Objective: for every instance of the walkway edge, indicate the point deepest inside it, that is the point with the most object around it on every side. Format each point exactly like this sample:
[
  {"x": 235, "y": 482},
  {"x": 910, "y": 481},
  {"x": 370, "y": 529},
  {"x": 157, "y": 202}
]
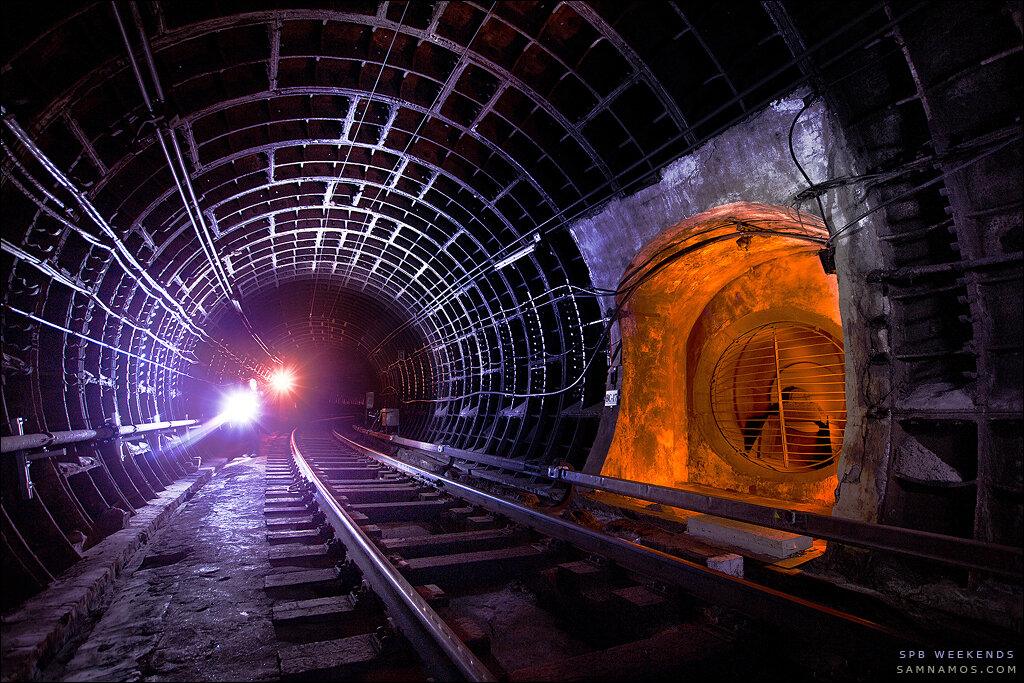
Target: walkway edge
[{"x": 37, "y": 630}]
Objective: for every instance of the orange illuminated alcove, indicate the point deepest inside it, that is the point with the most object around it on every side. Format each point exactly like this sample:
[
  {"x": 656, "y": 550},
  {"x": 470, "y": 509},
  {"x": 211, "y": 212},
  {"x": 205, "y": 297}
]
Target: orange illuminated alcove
[{"x": 733, "y": 371}]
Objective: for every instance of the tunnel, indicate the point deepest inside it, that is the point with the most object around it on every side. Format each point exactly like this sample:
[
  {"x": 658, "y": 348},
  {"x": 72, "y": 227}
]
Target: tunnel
[{"x": 764, "y": 252}]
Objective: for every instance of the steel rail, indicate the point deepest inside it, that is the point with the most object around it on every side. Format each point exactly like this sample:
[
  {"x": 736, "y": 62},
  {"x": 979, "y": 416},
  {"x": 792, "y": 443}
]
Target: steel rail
[
  {"x": 29, "y": 442},
  {"x": 481, "y": 458},
  {"x": 841, "y": 630},
  {"x": 964, "y": 553},
  {"x": 444, "y": 654},
  {"x": 957, "y": 552}
]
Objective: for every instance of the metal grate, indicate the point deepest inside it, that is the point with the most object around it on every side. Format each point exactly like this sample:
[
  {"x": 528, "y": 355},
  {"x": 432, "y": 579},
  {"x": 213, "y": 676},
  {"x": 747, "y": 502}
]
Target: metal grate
[{"x": 778, "y": 397}]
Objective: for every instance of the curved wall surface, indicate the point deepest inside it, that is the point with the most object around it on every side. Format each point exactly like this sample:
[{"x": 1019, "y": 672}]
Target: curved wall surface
[{"x": 440, "y": 199}]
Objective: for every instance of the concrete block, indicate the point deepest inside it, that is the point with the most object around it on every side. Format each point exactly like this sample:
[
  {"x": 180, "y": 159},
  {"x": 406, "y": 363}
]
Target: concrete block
[
  {"x": 299, "y": 523},
  {"x": 279, "y": 512},
  {"x": 302, "y": 585},
  {"x": 405, "y": 511},
  {"x": 729, "y": 563},
  {"x": 284, "y": 502},
  {"x": 478, "y": 522},
  {"x": 756, "y": 539},
  {"x": 485, "y": 566},
  {"x": 307, "y": 536},
  {"x": 298, "y": 555},
  {"x": 309, "y": 620}
]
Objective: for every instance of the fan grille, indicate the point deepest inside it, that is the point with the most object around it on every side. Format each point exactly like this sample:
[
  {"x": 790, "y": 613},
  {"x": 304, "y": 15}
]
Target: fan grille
[{"x": 778, "y": 397}]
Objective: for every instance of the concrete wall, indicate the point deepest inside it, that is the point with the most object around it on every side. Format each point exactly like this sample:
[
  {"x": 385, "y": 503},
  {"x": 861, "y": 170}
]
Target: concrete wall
[{"x": 751, "y": 162}]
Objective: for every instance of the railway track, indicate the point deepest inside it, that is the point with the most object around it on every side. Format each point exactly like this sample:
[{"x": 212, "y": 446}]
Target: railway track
[{"x": 392, "y": 572}]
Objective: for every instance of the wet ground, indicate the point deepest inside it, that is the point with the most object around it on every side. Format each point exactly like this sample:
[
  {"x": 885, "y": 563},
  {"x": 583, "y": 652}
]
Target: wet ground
[{"x": 191, "y": 606}]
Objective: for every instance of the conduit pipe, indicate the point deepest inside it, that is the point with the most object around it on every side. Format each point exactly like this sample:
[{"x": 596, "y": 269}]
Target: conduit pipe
[
  {"x": 29, "y": 442},
  {"x": 179, "y": 171},
  {"x": 119, "y": 251}
]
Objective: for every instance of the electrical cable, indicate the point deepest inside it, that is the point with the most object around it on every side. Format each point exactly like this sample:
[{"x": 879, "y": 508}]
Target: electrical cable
[
  {"x": 116, "y": 349},
  {"x": 917, "y": 188},
  {"x": 628, "y": 292},
  {"x": 625, "y": 295},
  {"x": 792, "y": 153}
]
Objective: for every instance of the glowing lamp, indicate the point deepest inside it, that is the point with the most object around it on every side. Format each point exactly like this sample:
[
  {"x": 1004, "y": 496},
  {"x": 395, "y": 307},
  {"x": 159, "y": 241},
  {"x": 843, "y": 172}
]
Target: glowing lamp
[
  {"x": 282, "y": 381},
  {"x": 240, "y": 407}
]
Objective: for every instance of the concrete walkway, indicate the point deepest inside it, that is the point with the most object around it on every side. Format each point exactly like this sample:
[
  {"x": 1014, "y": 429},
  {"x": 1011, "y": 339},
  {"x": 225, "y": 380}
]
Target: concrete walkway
[{"x": 193, "y": 607}]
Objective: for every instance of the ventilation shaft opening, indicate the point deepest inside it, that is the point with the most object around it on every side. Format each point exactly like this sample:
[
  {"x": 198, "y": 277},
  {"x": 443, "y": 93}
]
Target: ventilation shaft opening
[
  {"x": 733, "y": 366},
  {"x": 778, "y": 397}
]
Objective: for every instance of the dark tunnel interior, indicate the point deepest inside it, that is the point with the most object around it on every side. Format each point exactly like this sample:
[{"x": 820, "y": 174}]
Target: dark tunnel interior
[{"x": 477, "y": 211}]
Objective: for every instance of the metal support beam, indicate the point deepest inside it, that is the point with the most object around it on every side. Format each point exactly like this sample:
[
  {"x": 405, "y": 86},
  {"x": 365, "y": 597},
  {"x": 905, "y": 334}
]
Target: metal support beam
[{"x": 966, "y": 553}]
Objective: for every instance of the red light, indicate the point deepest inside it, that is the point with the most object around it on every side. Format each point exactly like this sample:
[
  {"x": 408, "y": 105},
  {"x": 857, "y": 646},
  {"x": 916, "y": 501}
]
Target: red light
[{"x": 282, "y": 381}]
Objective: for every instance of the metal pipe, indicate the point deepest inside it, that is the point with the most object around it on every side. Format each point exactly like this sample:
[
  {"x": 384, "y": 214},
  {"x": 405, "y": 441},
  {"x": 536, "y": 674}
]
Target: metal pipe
[
  {"x": 147, "y": 52},
  {"x": 120, "y": 252},
  {"x": 191, "y": 209},
  {"x": 155, "y": 426},
  {"x": 950, "y": 550},
  {"x": 444, "y": 654},
  {"x": 180, "y": 172},
  {"x": 847, "y": 631},
  {"x": 28, "y": 442}
]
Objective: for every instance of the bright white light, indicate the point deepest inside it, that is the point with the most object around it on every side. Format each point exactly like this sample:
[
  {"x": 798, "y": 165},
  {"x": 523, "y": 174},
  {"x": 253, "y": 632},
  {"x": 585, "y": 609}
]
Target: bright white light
[
  {"x": 526, "y": 251},
  {"x": 282, "y": 381},
  {"x": 522, "y": 253},
  {"x": 240, "y": 407}
]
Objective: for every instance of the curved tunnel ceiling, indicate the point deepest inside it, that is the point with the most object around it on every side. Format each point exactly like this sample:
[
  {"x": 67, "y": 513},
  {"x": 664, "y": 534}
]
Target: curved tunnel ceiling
[
  {"x": 390, "y": 181},
  {"x": 367, "y": 175}
]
